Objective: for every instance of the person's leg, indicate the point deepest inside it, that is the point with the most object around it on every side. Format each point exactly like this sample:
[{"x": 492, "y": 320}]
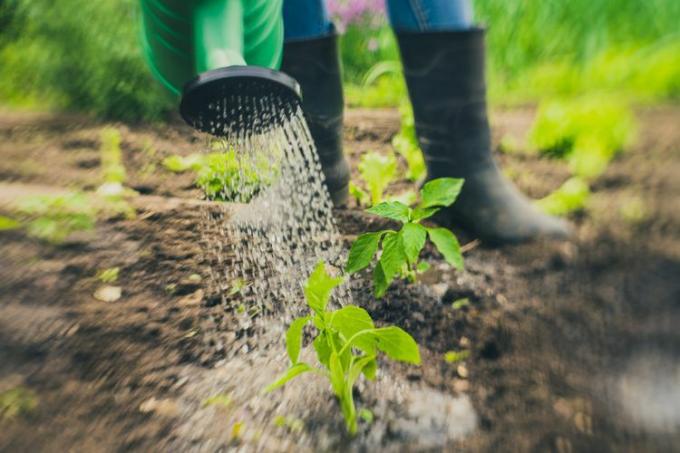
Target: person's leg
[
  {"x": 421, "y": 15},
  {"x": 443, "y": 56},
  {"x": 310, "y": 56},
  {"x": 305, "y": 19}
]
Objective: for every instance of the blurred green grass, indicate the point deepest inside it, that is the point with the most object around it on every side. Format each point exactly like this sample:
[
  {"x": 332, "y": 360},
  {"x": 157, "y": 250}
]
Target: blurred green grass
[{"x": 83, "y": 55}]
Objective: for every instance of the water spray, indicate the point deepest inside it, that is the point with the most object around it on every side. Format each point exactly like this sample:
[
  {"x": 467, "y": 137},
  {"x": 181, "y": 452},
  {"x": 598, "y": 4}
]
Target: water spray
[{"x": 222, "y": 57}]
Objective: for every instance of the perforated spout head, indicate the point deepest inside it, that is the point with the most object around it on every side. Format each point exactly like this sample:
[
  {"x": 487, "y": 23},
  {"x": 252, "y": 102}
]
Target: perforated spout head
[{"x": 236, "y": 98}]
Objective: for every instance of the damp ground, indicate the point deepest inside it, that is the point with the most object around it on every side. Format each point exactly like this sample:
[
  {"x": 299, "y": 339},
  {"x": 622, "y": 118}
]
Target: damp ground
[{"x": 573, "y": 347}]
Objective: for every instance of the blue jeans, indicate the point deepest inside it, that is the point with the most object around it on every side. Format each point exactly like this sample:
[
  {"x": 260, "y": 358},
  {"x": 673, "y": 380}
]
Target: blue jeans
[{"x": 309, "y": 18}]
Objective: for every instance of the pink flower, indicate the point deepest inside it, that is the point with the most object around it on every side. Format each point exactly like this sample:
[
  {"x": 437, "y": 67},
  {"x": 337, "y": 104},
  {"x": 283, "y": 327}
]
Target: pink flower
[{"x": 348, "y": 12}]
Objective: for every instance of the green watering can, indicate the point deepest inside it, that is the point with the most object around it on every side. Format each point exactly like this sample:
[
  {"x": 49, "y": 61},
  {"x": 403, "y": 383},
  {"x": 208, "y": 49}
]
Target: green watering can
[{"x": 222, "y": 57}]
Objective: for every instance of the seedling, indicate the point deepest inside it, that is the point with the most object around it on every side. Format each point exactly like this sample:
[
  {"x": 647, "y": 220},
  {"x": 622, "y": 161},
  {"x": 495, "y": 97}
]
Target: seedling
[
  {"x": 346, "y": 343},
  {"x": 588, "y": 133},
  {"x": 17, "y": 401},
  {"x": 221, "y": 400},
  {"x": 401, "y": 249},
  {"x": 377, "y": 171},
  {"x": 456, "y": 356},
  {"x": 224, "y": 175},
  {"x": 113, "y": 170},
  {"x": 54, "y": 217},
  {"x": 109, "y": 275},
  {"x": 7, "y": 223}
]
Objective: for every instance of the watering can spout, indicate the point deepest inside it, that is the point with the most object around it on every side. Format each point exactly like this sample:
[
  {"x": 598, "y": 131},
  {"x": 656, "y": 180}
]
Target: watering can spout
[{"x": 221, "y": 57}]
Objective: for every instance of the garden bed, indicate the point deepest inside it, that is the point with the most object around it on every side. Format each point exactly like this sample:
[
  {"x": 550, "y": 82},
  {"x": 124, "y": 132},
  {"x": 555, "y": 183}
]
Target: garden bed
[{"x": 554, "y": 331}]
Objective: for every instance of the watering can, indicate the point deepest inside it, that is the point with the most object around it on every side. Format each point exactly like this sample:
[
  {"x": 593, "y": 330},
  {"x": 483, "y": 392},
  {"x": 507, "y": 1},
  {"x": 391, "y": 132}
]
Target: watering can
[{"x": 222, "y": 57}]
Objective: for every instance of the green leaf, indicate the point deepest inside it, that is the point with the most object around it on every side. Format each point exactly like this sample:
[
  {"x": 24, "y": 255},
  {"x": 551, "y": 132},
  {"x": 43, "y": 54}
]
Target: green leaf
[
  {"x": 440, "y": 192},
  {"x": 419, "y": 213},
  {"x": 397, "y": 344},
  {"x": 362, "y": 251},
  {"x": 319, "y": 287},
  {"x": 351, "y": 320},
  {"x": 294, "y": 338},
  {"x": 323, "y": 350},
  {"x": 380, "y": 283},
  {"x": 413, "y": 237},
  {"x": 377, "y": 171},
  {"x": 394, "y": 210},
  {"x": 337, "y": 375},
  {"x": 7, "y": 223},
  {"x": 456, "y": 356},
  {"x": 393, "y": 255},
  {"x": 290, "y": 374},
  {"x": 448, "y": 245}
]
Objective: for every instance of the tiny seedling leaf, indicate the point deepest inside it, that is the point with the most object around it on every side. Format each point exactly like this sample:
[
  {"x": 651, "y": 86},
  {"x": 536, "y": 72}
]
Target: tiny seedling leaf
[
  {"x": 294, "y": 338},
  {"x": 351, "y": 320},
  {"x": 291, "y": 373},
  {"x": 448, "y": 245},
  {"x": 394, "y": 210},
  {"x": 397, "y": 344},
  {"x": 413, "y": 237},
  {"x": 380, "y": 283},
  {"x": 319, "y": 286},
  {"x": 323, "y": 350},
  {"x": 440, "y": 192},
  {"x": 456, "y": 356},
  {"x": 362, "y": 251},
  {"x": 419, "y": 213},
  {"x": 7, "y": 223},
  {"x": 393, "y": 256}
]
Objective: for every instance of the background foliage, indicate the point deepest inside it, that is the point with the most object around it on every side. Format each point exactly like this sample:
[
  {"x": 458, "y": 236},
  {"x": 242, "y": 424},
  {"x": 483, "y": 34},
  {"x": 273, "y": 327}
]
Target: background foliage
[{"x": 84, "y": 55}]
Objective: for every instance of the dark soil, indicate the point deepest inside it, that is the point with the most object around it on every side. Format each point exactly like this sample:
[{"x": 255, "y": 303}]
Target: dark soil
[{"x": 565, "y": 339}]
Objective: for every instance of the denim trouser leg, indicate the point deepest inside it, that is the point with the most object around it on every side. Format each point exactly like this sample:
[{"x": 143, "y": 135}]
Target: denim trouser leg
[
  {"x": 426, "y": 15},
  {"x": 305, "y": 19}
]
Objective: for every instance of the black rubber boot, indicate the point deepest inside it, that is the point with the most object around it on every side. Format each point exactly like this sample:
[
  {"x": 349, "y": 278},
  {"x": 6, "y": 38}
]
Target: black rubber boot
[
  {"x": 315, "y": 64},
  {"x": 446, "y": 82}
]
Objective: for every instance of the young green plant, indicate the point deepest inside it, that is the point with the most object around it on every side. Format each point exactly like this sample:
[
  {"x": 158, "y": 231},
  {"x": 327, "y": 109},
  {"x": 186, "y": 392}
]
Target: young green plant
[
  {"x": 401, "y": 249},
  {"x": 347, "y": 343}
]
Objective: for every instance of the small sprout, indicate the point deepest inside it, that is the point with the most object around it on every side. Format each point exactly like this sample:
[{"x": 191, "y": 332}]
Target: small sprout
[
  {"x": 180, "y": 164},
  {"x": 7, "y": 223},
  {"x": 55, "y": 217},
  {"x": 366, "y": 415},
  {"x": 292, "y": 424},
  {"x": 401, "y": 249},
  {"x": 171, "y": 289},
  {"x": 377, "y": 171},
  {"x": 237, "y": 286},
  {"x": 113, "y": 170},
  {"x": 460, "y": 303},
  {"x": 195, "y": 278},
  {"x": 359, "y": 195},
  {"x": 221, "y": 400},
  {"x": 587, "y": 132},
  {"x": 17, "y": 401},
  {"x": 109, "y": 275},
  {"x": 456, "y": 356},
  {"x": 237, "y": 430},
  {"x": 347, "y": 343}
]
